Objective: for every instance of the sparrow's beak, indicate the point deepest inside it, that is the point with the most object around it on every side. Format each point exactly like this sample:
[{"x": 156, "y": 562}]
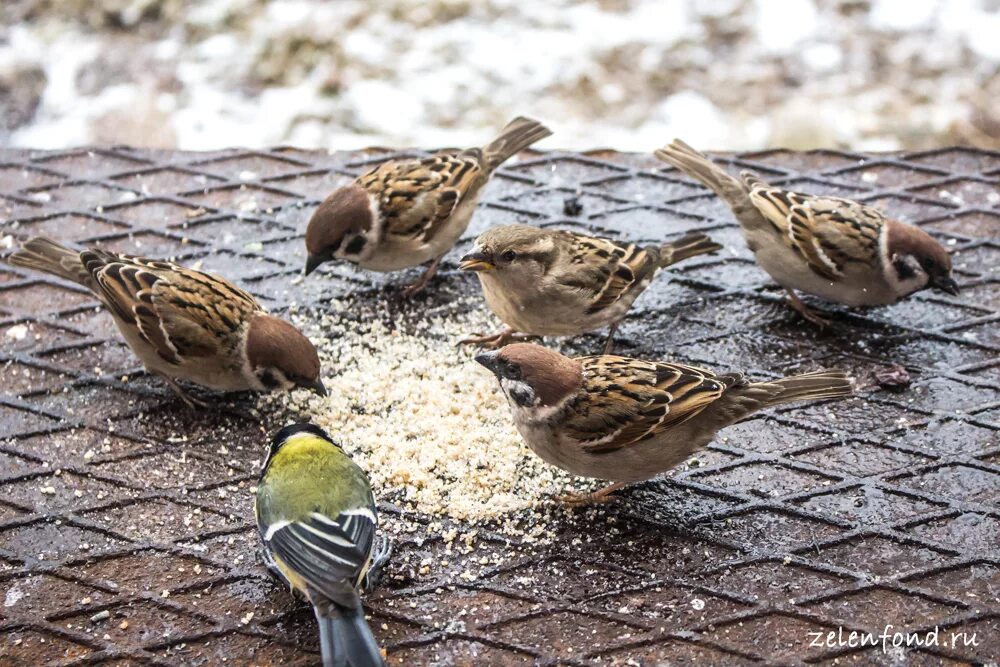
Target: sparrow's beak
[
  {"x": 476, "y": 261},
  {"x": 316, "y": 386},
  {"x": 945, "y": 284},
  {"x": 312, "y": 262},
  {"x": 488, "y": 359}
]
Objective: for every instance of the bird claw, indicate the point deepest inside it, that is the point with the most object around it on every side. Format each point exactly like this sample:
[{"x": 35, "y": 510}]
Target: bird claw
[
  {"x": 497, "y": 340},
  {"x": 380, "y": 560},
  {"x": 599, "y": 497}
]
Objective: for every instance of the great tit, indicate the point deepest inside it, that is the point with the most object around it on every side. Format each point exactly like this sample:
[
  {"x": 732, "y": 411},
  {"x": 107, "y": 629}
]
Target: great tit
[{"x": 316, "y": 516}]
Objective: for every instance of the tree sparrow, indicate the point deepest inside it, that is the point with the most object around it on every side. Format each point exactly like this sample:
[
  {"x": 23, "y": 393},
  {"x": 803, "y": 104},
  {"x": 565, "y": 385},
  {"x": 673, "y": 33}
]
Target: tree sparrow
[
  {"x": 627, "y": 420},
  {"x": 546, "y": 282},
  {"x": 834, "y": 248},
  {"x": 185, "y": 324},
  {"x": 407, "y": 212}
]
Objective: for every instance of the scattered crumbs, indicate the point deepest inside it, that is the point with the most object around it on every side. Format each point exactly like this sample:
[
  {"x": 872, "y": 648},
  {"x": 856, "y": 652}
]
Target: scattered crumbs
[{"x": 428, "y": 424}]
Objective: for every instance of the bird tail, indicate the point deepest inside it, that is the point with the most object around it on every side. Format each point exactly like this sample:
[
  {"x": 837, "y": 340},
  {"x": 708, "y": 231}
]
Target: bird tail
[
  {"x": 42, "y": 254},
  {"x": 345, "y": 639},
  {"x": 517, "y": 135},
  {"x": 689, "y": 245},
  {"x": 698, "y": 166},
  {"x": 744, "y": 398},
  {"x": 814, "y": 386}
]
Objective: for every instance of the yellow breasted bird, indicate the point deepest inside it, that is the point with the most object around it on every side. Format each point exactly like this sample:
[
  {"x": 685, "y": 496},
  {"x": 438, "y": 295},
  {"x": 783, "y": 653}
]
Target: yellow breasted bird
[{"x": 316, "y": 516}]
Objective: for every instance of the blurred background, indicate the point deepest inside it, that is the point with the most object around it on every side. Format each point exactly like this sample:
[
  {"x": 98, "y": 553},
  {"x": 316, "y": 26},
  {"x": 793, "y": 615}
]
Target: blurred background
[{"x": 628, "y": 74}]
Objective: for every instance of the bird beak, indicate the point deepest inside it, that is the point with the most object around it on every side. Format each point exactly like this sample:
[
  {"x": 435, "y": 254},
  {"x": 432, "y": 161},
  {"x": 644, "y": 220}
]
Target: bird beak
[
  {"x": 316, "y": 386},
  {"x": 476, "y": 261},
  {"x": 488, "y": 359},
  {"x": 312, "y": 262},
  {"x": 945, "y": 284}
]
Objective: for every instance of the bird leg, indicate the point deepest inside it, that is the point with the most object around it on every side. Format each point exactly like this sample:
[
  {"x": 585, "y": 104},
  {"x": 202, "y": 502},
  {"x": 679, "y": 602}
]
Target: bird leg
[
  {"x": 380, "y": 559},
  {"x": 595, "y": 497},
  {"x": 795, "y": 302},
  {"x": 188, "y": 399},
  {"x": 609, "y": 344},
  {"x": 495, "y": 341},
  {"x": 422, "y": 281}
]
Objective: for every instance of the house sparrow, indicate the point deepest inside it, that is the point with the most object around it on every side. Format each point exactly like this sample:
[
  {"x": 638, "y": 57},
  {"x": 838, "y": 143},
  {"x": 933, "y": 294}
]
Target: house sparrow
[
  {"x": 546, "y": 282},
  {"x": 407, "y": 212},
  {"x": 316, "y": 518},
  {"x": 626, "y": 420},
  {"x": 834, "y": 248},
  {"x": 185, "y": 324}
]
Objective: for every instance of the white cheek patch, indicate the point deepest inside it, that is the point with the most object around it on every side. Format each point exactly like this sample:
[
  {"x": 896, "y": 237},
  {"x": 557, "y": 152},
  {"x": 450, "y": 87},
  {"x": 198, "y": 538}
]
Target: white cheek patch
[{"x": 519, "y": 393}]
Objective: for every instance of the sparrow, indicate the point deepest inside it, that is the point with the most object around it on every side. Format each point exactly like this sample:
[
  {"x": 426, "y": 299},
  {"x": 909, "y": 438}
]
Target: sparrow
[
  {"x": 834, "y": 248},
  {"x": 544, "y": 282},
  {"x": 316, "y": 517},
  {"x": 185, "y": 324},
  {"x": 627, "y": 420},
  {"x": 407, "y": 212}
]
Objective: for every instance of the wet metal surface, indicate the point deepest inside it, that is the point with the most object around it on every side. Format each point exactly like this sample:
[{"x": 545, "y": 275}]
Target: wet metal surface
[{"x": 125, "y": 527}]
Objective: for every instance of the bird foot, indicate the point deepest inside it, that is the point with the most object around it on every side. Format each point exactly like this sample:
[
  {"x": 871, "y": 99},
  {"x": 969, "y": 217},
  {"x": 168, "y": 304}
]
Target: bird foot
[
  {"x": 497, "y": 340},
  {"x": 189, "y": 400},
  {"x": 422, "y": 281},
  {"x": 807, "y": 313},
  {"x": 598, "y": 497},
  {"x": 380, "y": 560}
]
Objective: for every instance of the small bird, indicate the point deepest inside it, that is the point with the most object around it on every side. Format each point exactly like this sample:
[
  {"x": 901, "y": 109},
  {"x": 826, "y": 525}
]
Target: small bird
[
  {"x": 316, "y": 517},
  {"x": 185, "y": 324},
  {"x": 544, "y": 282},
  {"x": 834, "y": 248},
  {"x": 408, "y": 212},
  {"x": 626, "y": 420}
]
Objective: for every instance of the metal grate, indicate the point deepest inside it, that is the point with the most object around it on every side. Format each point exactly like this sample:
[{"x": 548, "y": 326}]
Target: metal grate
[{"x": 881, "y": 509}]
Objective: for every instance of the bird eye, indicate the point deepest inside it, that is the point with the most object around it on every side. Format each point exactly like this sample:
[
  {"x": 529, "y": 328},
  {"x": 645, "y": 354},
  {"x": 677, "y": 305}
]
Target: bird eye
[{"x": 508, "y": 256}]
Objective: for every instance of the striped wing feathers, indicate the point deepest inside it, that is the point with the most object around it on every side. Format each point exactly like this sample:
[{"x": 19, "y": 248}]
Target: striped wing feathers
[
  {"x": 827, "y": 232},
  {"x": 180, "y": 312},
  {"x": 631, "y": 401}
]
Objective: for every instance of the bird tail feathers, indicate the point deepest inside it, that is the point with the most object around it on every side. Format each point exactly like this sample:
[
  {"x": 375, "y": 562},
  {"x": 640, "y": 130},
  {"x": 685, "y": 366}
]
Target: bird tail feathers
[
  {"x": 517, "y": 135},
  {"x": 814, "y": 386},
  {"x": 698, "y": 166},
  {"x": 687, "y": 246},
  {"x": 346, "y": 640},
  {"x": 43, "y": 254}
]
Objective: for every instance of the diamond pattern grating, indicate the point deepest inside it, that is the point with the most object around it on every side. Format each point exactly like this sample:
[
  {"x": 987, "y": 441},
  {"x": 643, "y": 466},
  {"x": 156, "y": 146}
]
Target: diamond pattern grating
[{"x": 125, "y": 527}]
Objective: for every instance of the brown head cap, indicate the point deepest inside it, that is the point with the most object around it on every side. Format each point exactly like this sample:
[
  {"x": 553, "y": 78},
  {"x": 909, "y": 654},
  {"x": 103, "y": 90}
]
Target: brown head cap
[
  {"x": 551, "y": 375},
  {"x": 345, "y": 213},
  {"x": 906, "y": 241},
  {"x": 275, "y": 345}
]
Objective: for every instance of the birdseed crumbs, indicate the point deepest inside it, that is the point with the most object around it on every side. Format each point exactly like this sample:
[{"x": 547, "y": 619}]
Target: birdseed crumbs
[{"x": 429, "y": 425}]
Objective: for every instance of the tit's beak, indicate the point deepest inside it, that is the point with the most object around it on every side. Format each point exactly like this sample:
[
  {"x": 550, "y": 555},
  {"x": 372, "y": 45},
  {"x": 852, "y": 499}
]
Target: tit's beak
[
  {"x": 316, "y": 386},
  {"x": 312, "y": 263},
  {"x": 488, "y": 359},
  {"x": 476, "y": 261},
  {"x": 945, "y": 284}
]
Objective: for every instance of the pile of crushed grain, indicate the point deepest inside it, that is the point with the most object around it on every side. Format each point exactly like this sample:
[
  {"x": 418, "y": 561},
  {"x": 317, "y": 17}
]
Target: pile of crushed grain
[{"x": 429, "y": 425}]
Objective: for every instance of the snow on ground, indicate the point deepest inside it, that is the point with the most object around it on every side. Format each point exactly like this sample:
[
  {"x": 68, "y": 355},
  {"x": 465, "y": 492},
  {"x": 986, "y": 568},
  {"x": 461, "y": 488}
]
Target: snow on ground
[{"x": 628, "y": 74}]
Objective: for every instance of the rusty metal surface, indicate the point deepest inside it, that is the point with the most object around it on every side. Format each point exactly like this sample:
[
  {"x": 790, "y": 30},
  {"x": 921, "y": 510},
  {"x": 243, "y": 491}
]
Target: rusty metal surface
[{"x": 883, "y": 509}]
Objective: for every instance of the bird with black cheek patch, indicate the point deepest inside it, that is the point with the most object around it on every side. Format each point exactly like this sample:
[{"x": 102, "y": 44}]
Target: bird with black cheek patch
[
  {"x": 833, "y": 248},
  {"x": 627, "y": 420},
  {"x": 545, "y": 282},
  {"x": 405, "y": 213},
  {"x": 186, "y": 324}
]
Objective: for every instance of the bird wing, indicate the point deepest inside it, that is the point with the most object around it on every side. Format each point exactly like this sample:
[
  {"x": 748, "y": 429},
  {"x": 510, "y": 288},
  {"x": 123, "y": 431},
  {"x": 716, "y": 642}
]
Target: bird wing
[
  {"x": 602, "y": 270},
  {"x": 632, "y": 401},
  {"x": 827, "y": 232},
  {"x": 181, "y": 313},
  {"x": 416, "y": 197},
  {"x": 330, "y": 554}
]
